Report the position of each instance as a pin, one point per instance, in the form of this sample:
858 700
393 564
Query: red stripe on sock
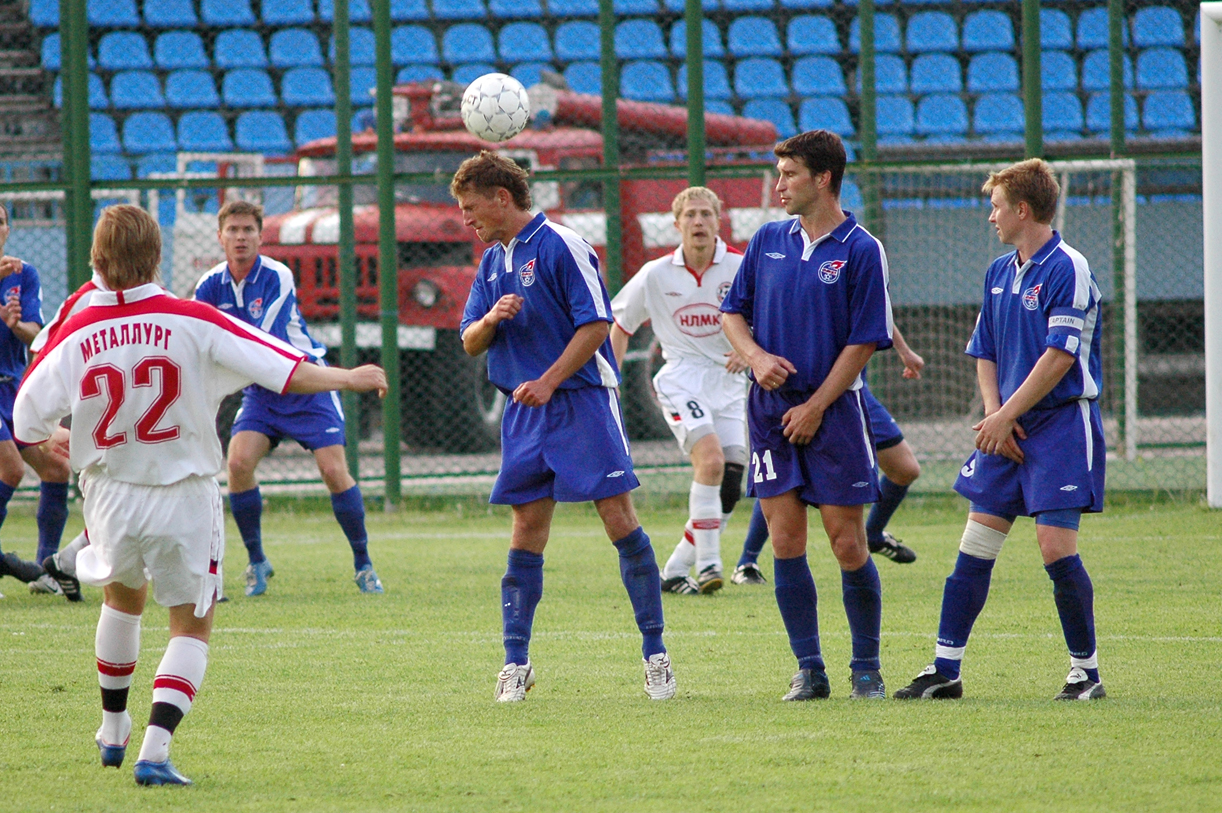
688 538
706 524
212 567
176 683
116 669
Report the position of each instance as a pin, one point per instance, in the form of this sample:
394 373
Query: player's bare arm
986 378
803 421
580 349
619 344
770 371
308 378
1002 423
479 335
913 363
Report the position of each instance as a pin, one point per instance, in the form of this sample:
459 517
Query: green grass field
318 698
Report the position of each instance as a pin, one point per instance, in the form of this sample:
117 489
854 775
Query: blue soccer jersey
806 301
1049 301
25 288
555 271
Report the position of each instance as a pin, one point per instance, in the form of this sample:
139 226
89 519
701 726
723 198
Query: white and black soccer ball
495 107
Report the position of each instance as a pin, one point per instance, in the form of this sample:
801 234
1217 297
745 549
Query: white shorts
700 398
172 535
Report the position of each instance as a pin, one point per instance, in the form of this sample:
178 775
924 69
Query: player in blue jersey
808 308
260 291
539 308
21 312
1040 450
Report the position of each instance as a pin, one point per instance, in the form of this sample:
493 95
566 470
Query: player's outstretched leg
1075 600
891 494
117 646
863 604
674 574
247 510
748 571
52 516
179 676
798 602
349 508
521 590
61 566
639 571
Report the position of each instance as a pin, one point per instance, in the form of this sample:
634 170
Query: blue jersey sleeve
1065 307
205 290
576 266
477 301
981 344
869 303
31 295
740 298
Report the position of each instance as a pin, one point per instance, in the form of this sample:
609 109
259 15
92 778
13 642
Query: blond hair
1032 182
240 207
126 247
681 200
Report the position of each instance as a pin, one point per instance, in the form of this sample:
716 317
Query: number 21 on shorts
762 466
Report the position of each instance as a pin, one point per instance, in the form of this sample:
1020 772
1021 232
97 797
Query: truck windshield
443 165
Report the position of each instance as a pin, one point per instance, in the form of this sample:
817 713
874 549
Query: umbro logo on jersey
225 306
775 255
492 278
332 430
673 293
860 484
1069 488
998 290
616 474
256 308
527 273
829 272
1031 298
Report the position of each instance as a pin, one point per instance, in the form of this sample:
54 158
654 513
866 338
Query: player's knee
981 541
731 486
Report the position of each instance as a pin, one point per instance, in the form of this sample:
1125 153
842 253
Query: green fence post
867 116
347 248
1032 90
693 17
1115 48
388 259
78 204
610 133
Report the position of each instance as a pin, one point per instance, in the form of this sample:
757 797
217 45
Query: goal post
1211 162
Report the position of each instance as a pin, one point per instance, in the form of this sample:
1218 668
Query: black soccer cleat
19 569
868 684
933 685
808 684
893 549
1079 687
682 585
748 573
69 584
710 580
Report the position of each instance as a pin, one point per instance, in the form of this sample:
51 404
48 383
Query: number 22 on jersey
110 382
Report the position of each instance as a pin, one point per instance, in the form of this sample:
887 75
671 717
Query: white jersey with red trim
76 302
683 308
142 374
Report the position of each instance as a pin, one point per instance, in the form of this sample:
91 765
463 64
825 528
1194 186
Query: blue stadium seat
941 117
886 36
812 34
739 6
306 87
225 13
572 8
773 110
1092 29
248 87
1170 110
459 9
716 83
467 42
97 93
936 73
203 131
1058 71
584 77
710 39
639 39
679 6
262 131
1062 111
180 49
1099 112
400 10
419 73
109 168
577 39
148 132
720 106
359 11
524 41
890 75
753 36
170 14
992 71
239 48
1056 31
1161 69
123 50
623 8
362 48
191 88
44 13
103 137
112 13
530 73
135 90
646 81
759 78
932 31
807 4
509 9
50 52
361 81
1158 25
294 48
820 76
1096 70
894 118
413 44
287 12
825 113
466 74
156 162
999 113
988 31
312 125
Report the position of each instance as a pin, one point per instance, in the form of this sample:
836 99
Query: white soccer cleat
46 584
659 677
514 682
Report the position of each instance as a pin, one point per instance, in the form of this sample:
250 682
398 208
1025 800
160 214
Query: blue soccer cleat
257 574
159 773
112 755
368 581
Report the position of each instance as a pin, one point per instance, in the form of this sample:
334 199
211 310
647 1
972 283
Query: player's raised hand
368 377
9 265
771 371
10 312
913 364
506 307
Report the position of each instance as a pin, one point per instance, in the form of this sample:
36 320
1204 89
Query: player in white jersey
142 374
702 387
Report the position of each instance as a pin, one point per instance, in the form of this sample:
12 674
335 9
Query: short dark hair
1032 182
126 249
820 150
240 207
488 171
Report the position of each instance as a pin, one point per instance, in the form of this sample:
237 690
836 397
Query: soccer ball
495 107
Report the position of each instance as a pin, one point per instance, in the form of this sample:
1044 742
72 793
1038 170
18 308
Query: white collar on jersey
719 253
140 292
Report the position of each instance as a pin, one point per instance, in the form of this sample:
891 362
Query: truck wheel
642 416
465 406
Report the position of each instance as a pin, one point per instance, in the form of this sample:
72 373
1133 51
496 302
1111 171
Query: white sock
66 558
117 646
681 561
179 676
704 508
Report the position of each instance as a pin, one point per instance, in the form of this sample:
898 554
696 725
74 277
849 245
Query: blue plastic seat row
200 131
240 88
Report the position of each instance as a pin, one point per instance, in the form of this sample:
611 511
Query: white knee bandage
981 541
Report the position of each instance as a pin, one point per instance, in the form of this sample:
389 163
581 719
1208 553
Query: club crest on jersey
527 273
1031 298
699 319
722 290
829 272
255 309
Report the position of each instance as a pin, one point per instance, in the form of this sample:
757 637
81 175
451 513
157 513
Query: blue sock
798 602
757 536
639 570
52 516
6 494
349 508
890 497
247 510
1075 599
863 604
521 589
963 597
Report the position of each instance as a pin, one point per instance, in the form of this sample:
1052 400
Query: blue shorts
835 468
314 421
572 449
886 431
1064 461
8 395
